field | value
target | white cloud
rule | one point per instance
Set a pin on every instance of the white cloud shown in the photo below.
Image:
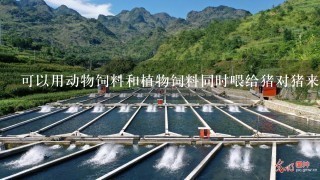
(84, 7)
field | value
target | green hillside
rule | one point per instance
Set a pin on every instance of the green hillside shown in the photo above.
(14, 63)
(64, 34)
(284, 39)
(38, 39)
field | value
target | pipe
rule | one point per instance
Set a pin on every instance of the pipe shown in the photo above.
(275, 121)
(29, 120)
(131, 163)
(16, 150)
(133, 116)
(61, 121)
(48, 164)
(166, 121)
(203, 163)
(273, 161)
(236, 119)
(103, 114)
(195, 112)
(7, 117)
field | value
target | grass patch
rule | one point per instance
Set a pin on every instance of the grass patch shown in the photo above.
(12, 105)
(302, 102)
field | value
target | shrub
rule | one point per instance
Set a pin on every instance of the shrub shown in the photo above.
(315, 62)
(288, 35)
(8, 58)
(17, 90)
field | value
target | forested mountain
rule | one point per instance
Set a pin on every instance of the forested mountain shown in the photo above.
(204, 18)
(64, 34)
(284, 39)
(37, 39)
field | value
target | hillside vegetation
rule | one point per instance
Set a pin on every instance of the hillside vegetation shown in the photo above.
(62, 34)
(37, 40)
(284, 39)
(15, 63)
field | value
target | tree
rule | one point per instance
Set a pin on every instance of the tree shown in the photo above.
(253, 61)
(22, 43)
(317, 11)
(262, 21)
(118, 66)
(290, 8)
(235, 42)
(288, 35)
(315, 62)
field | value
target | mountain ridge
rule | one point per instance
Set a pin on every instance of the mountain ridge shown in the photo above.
(284, 39)
(134, 34)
